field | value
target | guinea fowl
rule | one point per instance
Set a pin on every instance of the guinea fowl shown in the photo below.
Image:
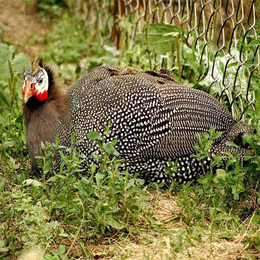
(153, 117)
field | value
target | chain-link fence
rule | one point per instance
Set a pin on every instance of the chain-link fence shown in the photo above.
(220, 34)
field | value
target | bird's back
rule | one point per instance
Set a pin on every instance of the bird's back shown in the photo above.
(152, 116)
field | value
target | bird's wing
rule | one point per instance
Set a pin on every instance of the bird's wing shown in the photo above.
(151, 114)
(186, 112)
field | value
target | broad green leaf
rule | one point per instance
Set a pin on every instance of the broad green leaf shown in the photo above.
(20, 63)
(161, 37)
(95, 156)
(236, 196)
(113, 223)
(248, 139)
(221, 174)
(232, 64)
(6, 53)
(163, 29)
(60, 205)
(4, 99)
(109, 148)
(9, 142)
(4, 249)
(254, 43)
(99, 177)
(130, 192)
(32, 182)
(92, 168)
(213, 212)
(231, 144)
(249, 64)
(62, 249)
(93, 135)
(114, 142)
(222, 216)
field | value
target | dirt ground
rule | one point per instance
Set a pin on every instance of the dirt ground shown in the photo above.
(20, 26)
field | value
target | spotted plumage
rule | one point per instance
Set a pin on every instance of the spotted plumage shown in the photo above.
(153, 118)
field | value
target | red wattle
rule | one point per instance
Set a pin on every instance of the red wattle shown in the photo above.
(41, 96)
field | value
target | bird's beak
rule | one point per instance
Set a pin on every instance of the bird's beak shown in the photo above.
(28, 90)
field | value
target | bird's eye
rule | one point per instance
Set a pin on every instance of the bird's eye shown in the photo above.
(40, 81)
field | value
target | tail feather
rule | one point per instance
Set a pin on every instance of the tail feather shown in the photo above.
(234, 135)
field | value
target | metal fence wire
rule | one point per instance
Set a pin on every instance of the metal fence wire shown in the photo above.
(221, 34)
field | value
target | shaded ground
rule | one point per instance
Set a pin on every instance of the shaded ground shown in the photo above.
(20, 26)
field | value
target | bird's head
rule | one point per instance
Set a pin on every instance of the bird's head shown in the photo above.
(36, 82)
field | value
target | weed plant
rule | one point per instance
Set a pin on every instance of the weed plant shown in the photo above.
(45, 210)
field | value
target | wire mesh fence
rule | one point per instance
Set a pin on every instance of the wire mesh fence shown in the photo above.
(220, 35)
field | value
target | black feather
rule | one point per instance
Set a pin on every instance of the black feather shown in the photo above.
(49, 71)
(50, 76)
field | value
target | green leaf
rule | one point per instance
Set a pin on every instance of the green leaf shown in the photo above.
(161, 37)
(221, 175)
(254, 43)
(231, 144)
(109, 148)
(249, 64)
(99, 177)
(60, 205)
(32, 182)
(213, 212)
(62, 249)
(221, 66)
(248, 139)
(92, 168)
(222, 216)
(95, 156)
(4, 99)
(4, 249)
(113, 223)
(20, 63)
(114, 142)
(57, 140)
(236, 196)
(107, 131)
(6, 53)
(93, 135)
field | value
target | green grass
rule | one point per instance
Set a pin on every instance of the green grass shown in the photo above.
(109, 213)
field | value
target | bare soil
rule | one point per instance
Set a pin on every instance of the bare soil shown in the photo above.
(21, 26)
